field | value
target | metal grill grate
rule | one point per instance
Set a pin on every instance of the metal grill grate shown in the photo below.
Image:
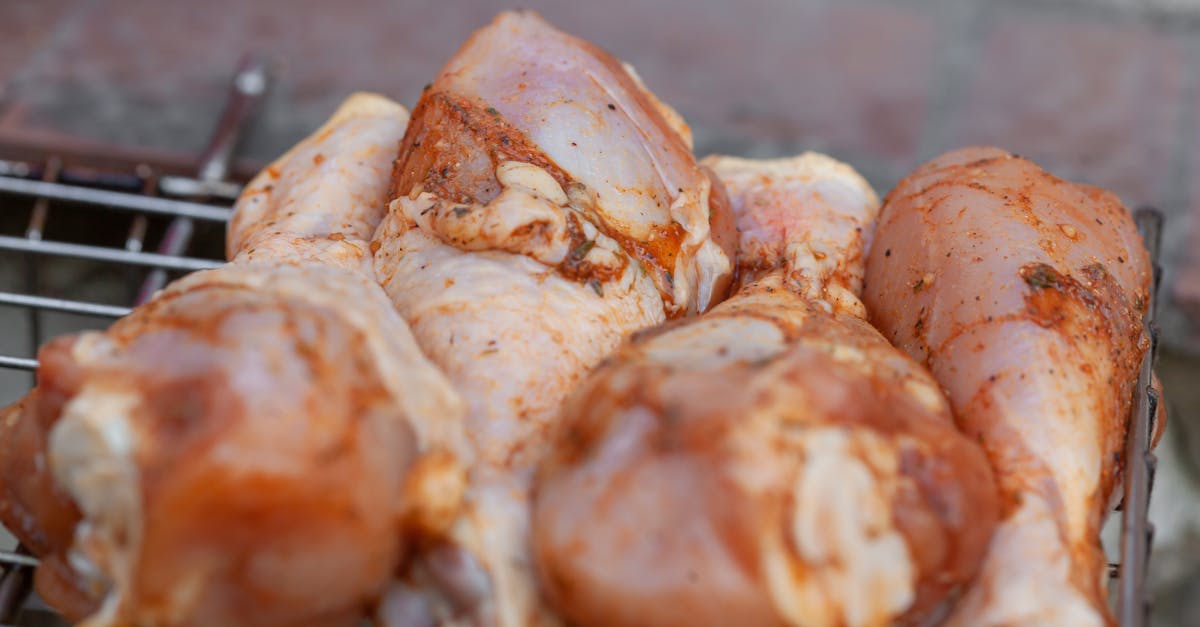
(184, 219)
(72, 236)
(1137, 532)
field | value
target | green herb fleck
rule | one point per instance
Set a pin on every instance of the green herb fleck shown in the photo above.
(1042, 276)
(594, 283)
(919, 285)
(581, 251)
(493, 111)
(461, 211)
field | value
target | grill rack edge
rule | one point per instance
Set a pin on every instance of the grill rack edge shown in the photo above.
(42, 185)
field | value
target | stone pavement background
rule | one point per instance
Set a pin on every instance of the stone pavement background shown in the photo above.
(1102, 91)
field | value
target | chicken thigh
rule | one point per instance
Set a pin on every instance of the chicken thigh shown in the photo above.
(238, 451)
(1024, 295)
(544, 206)
(773, 462)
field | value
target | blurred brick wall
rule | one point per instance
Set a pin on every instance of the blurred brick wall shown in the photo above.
(1103, 91)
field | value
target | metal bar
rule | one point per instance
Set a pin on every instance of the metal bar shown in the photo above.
(248, 87)
(34, 232)
(174, 242)
(1136, 532)
(116, 200)
(188, 186)
(16, 582)
(18, 363)
(59, 304)
(137, 229)
(15, 586)
(37, 220)
(137, 234)
(97, 253)
(136, 239)
(21, 147)
(16, 558)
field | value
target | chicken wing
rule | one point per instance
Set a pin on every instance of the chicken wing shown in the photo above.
(544, 206)
(238, 450)
(1023, 293)
(773, 462)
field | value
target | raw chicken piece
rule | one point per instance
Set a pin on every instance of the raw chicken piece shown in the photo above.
(322, 200)
(774, 462)
(821, 245)
(521, 91)
(544, 207)
(238, 450)
(1023, 293)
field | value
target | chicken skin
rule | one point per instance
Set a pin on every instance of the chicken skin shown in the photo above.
(1024, 295)
(239, 450)
(773, 462)
(544, 206)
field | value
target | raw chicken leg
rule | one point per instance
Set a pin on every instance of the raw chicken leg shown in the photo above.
(1023, 293)
(237, 451)
(545, 205)
(774, 462)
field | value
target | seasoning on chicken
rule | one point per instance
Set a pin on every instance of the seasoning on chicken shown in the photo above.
(1023, 294)
(237, 451)
(544, 206)
(773, 462)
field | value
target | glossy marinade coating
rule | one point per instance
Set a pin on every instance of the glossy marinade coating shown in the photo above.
(1023, 294)
(544, 205)
(773, 462)
(238, 450)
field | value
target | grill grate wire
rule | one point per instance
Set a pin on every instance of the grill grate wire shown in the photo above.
(139, 197)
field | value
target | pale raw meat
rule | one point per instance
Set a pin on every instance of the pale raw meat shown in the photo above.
(544, 207)
(240, 450)
(1023, 294)
(773, 462)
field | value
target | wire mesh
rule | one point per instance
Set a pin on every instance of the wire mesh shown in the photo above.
(78, 235)
(98, 236)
